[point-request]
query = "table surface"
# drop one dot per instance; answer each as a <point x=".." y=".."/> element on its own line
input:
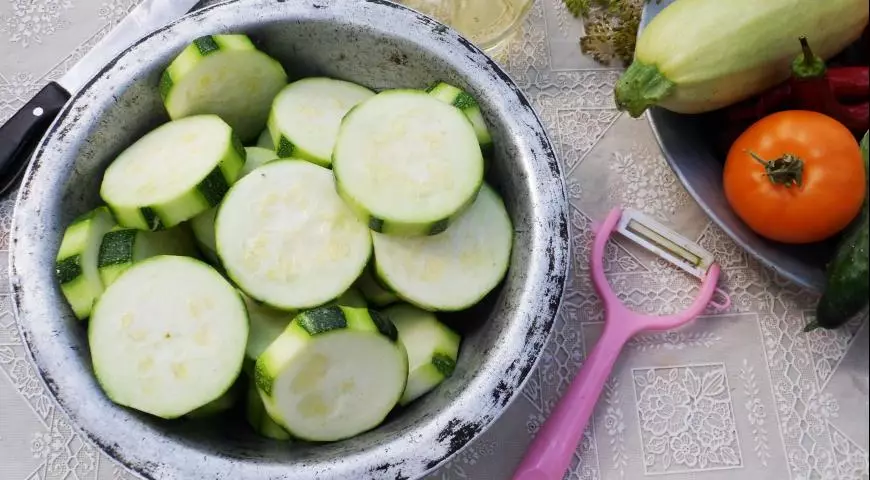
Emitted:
<point x="740" y="393"/>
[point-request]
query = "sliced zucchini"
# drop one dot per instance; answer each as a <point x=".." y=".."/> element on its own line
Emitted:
<point x="286" y="238"/>
<point x="373" y="291"/>
<point x="455" y="269"/>
<point x="168" y="336"/>
<point x="259" y="419"/>
<point x="265" y="140"/>
<point x="223" y="75"/>
<point x="220" y="405"/>
<point x="173" y="173"/>
<point x="76" y="261"/>
<point x="335" y="372"/>
<point x="351" y="298"/>
<point x="464" y="101"/>
<point x="266" y="324"/>
<point x="432" y="349"/>
<point x="203" y="224"/>
<point x="307" y="113"/>
<point x="122" y="247"/>
<point x="407" y="163"/>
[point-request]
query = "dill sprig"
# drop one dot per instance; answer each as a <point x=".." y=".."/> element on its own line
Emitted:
<point x="611" y="28"/>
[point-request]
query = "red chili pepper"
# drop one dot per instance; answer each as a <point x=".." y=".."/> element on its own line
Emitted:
<point x="812" y="91"/>
<point x="850" y="82"/>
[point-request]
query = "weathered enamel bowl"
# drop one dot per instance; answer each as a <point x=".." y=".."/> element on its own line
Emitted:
<point x="372" y="42"/>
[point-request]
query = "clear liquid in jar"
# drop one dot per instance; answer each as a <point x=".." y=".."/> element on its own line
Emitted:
<point x="489" y="24"/>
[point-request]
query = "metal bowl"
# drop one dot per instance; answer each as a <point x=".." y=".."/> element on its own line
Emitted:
<point x="688" y="145"/>
<point x="375" y="43"/>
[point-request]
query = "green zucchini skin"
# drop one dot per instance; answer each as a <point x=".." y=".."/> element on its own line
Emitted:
<point x="848" y="284"/>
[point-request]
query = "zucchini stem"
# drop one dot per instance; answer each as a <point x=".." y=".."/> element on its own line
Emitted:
<point x="640" y="87"/>
<point x="786" y="170"/>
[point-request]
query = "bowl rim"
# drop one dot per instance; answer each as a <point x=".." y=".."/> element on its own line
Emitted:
<point x="442" y="436"/>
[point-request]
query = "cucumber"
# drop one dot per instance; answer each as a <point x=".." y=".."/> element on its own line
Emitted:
<point x="432" y="349"/>
<point x="697" y="56"/>
<point x="373" y="291"/>
<point x="407" y="163"/>
<point x="259" y="420"/>
<point x="203" y="224"/>
<point x="168" y="336"/>
<point x="848" y="275"/>
<point x="122" y="247"/>
<point x="307" y="113"/>
<point x="173" y="173"/>
<point x="455" y="269"/>
<point x="223" y="75"/>
<point x="464" y="101"/>
<point x="286" y="239"/>
<point x="76" y="261"/>
<point x="334" y="373"/>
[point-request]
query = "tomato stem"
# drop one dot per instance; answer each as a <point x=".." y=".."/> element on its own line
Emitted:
<point x="786" y="170"/>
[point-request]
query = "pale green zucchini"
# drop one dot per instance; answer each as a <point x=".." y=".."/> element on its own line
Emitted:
<point x="701" y="55"/>
<point x="306" y="115"/>
<point x="203" y="224"/>
<point x="377" y="294"/>
<point x="286" y="239"/>
<point x="334" y="373"/>
<point x="223" y="75"/>
<point x="464" y="101"/>
<point x="432" y="349"/>
<point x="77" y="258"/>
<point x="168" y="336"/>
<point x="455" y="269"/>
<point x="122" y="247"/>
<point x="407" y="163"/>
<point x="173" y="173"/>
<point x="259" y="419"/>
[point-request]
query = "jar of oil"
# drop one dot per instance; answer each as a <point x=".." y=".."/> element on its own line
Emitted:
<point x="489" y="24"/>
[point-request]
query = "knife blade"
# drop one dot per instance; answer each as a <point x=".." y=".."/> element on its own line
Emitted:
<point x="21" y="133"/>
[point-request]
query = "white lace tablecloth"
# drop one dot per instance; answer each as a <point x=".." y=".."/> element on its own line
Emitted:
<point x="743" y="394"/>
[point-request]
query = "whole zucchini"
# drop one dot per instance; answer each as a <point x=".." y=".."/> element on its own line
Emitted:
<point x="701" y="55"/>
<point x="848" y="287"/>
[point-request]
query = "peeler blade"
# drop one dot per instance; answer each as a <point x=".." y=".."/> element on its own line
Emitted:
<point x="664" y="242"/>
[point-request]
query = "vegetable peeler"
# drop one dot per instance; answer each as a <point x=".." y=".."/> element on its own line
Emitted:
<point x="551" y="451"/>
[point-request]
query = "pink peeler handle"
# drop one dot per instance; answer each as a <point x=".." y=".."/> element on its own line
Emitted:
<point x="551" y="452"/>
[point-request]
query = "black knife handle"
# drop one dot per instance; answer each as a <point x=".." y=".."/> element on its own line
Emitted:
<point x="21" y="133"/>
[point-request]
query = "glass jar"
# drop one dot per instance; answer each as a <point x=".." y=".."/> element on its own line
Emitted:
<point x="489" y="24"/>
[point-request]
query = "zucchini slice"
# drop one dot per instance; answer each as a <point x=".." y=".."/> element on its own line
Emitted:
<point x="432" y="349"/>
<point x="307" y="113"/>
<point x="286" y="238"/>
<point x="223" y="75"/>
<point x="464" y="101"/>
<point x="259" y="420"/>
<point x="407" y="163"/>
<point x="203" y="224"/>
<point x="168" y="336"/>
<point x="76" y="261"/>
<point x="265" y="140"/>
<point x="455" y="269"/>
<point x="335" y="372"/>
<point x="373" y="291"/>
<point x="173" y="173"/>
<point x="122" y="247"/>
<point x="266" y="324"/>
